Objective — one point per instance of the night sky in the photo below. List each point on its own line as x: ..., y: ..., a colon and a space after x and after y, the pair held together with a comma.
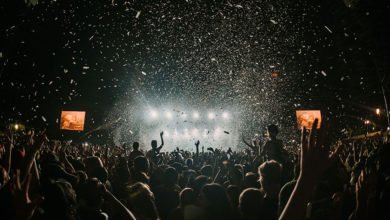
x: 261, y: 59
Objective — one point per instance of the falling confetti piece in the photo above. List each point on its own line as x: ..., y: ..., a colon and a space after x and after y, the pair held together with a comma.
x: 138, y: 14
x: 326, y: 27
x: 323, y: 73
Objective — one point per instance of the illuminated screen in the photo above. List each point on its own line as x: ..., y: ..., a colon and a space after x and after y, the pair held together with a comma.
x: 72, y: 120
x: 305, y: 118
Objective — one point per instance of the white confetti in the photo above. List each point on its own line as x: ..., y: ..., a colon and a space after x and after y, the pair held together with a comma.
x: 326, y: 27
x: 323, y: 73
x: 138, y: 14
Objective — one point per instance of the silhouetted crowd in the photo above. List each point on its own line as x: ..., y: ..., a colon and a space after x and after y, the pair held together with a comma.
x: 54, y: 180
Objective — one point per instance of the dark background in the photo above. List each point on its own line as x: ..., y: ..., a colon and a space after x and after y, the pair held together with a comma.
x: 265, y: 58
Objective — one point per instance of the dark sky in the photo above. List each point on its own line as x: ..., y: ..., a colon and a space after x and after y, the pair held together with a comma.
x: 104, y: 56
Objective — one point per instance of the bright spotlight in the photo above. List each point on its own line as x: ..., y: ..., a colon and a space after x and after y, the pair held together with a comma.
x: 225, y: 115
x: 378, y: 111
x: 195, y: 115
x: 153, y: 114
x: 168, y: 115
x: 211, y: 115
x: 184, y: 115
x: 16, y: 126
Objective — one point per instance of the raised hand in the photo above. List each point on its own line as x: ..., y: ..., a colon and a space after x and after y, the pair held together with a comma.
x: 315, y: 155
x: 315, y: 159
x: 8, y: 150
x: 22, y: 203
x: 197, y: 143
x: 36, y: 142
x: 162, y: 133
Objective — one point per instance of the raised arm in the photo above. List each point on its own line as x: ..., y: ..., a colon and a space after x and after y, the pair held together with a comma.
x: 8, y: 151
x: 249, y: 145
x: 119, y: 210
x: 315, y: 159
x: 162, y: 140
x: 35, y: 145
x: 197, y: 147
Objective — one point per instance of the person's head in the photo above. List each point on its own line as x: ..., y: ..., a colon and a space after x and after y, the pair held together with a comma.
x: 135, y: 146
x: 54, y: 171
x: 189, y: 162
x: 60, y: 201
x: 207, y: 170
x: 154, y: 144
x: 187, y: 197
x: 91, y: 165
x: 233, y: 192
x: 250, y: 180
x: 272, y: 130
x: 170, y: 176
x: 251, y: 204
x: 198, y: 183
x: 141, y: 201
x: 91, y: 193
x: 141, y: 164
x: 270, y: 175
x: 215, y: 201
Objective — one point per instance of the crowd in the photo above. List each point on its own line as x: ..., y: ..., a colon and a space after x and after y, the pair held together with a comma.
x: 47, y: 179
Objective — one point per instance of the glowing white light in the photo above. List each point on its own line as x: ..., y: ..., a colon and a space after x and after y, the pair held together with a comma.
x: 195, y: 115
x: 195, y: 132
x: 378, y: 111
x: 168, y: 115
x: 186, y: 134
x: 153, y: 114
x: 211, y: 115
x: 184, y: 115
x: 367, y: 122
x: 225, y: 115
x: 16, y: 126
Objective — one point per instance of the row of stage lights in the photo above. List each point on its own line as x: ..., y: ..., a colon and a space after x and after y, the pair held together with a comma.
x: 195, y: 115
x: 194, y: 133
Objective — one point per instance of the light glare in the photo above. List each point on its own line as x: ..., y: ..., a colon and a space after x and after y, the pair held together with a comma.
x: 153, y: 114
x: 225, y: 115
x: 196, y: 115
